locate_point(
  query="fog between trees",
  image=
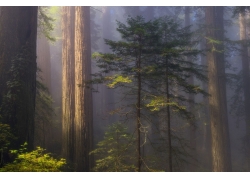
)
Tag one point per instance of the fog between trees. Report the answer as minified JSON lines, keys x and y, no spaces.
{"x":126,"y":88}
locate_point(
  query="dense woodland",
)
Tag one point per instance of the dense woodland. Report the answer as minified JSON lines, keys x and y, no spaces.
{"x":124,"y":89}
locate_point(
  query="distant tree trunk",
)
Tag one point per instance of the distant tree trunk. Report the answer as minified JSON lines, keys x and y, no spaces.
{"x":68,"y":83}
{"x":246,"y":81}
{"x":215,"y":99}
{"x":18,"y":64}
{"x":206,"y":147}
{"x":43,"y":60}
{"x":83,"y":94}
{"x":192,"y":123}
{"x":43,"y":63}
{"x":222,"y":83}
{"x":169,"y":142}
{"x":108,"y":93}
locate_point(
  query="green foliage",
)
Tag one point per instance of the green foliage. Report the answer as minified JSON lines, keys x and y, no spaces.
{"x":115,"y":152}
{"x":16,"y":86}
{"x":152,"y":65}
{"x":166,"y":54}
{"x":45,"y":21}
{"x":44,"y":112}
{"x":34,"y":161}
{"x":118,"y":79}
{"x":5,"y":136}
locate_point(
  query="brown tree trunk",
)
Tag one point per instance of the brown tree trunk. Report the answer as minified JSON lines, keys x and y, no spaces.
{"x":206,"y":146}
{"x":68,"y":83}
{"x":18,"y":52}
{"x":246,"y":81}
{"x":83,"y":94}
{"x":222,"y":83}
{"x":169,"y":142}
{"x":138,"y":110}
{"x":215,"y":99}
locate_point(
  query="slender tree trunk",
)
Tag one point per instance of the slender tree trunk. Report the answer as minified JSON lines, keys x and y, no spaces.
{"x":18,"y":52}
{"x":138,"y":110}
{"x":217,"y":137}
{"x":68,"y":83}
{"x":206,"y":147}
{"x":83,"y":94}
{"x":170,"y":166}
{"x":43,"y":60}
{"x":222,"y":83}
{"x":246,"y":82}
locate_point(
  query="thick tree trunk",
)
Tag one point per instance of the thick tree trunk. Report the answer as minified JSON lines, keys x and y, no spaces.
{"x":215,"y":99}
{"x":246,"y":81}
{"x":83,"y":94}
{"x":18,"y":54}
{"x":68,"y":83}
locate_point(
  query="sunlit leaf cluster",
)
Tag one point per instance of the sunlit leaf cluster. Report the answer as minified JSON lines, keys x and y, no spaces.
{"x":34,"y":161}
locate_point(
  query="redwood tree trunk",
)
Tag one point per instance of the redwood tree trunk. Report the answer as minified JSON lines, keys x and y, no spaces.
{"x":246,"y":81}
{"x":222,"y":83}
{"x":68,"y":83}
{"x":83,"y":94}
{"x":215,"y":98}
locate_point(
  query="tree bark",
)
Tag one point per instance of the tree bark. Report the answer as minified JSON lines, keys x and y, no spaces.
{"x":215,"y":99}
{"x":68,"y":83}
{"x":222,"y":83}
{"x":246,"y":81}
{"x":83,"y":94}
{"x":138,"y":108}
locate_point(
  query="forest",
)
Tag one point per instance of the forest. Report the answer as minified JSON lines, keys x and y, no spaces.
{"x":124,"y":89}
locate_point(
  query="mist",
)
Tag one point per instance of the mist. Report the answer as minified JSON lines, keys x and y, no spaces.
{"x":127,"y":88}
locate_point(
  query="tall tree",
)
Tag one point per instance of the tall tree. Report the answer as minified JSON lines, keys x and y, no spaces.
{"x":222,"y":83}
{"x":152,"y":51}
{"x":83,"y":94}
{"x":68,"y":83}
{"x":18,"y":70}
{"x":216,"y":101}
{"x":246,"y":77}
